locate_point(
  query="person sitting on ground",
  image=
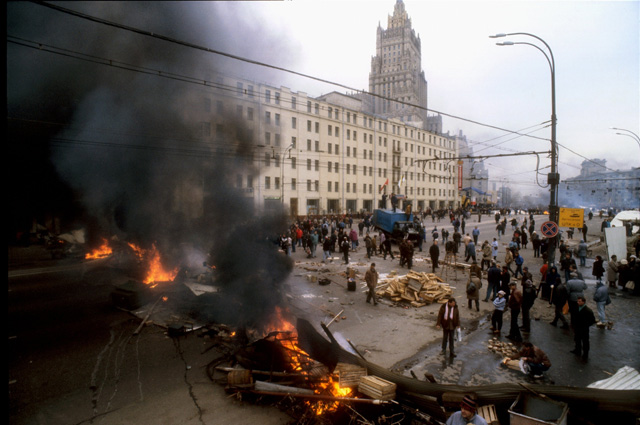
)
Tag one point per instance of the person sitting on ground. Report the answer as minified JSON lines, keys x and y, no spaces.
{"x":534,"y":357}
{"x":467,"y":414}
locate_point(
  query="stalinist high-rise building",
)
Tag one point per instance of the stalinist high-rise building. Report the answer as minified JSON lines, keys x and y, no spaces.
{"x":397,"y":79}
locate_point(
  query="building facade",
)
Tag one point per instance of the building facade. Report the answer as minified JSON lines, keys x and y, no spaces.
{"x":597,"y":187}
{"x":337,"y":153}
{"x":323,"y":155}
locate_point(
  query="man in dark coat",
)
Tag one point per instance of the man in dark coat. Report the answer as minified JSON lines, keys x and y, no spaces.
{"x":528,"y":298}
{"x":434,"y":253}
{"x":493,"y":282}
{"x":583,"y":320}
{"x":449,"y":321}
{"x":560,"y":298}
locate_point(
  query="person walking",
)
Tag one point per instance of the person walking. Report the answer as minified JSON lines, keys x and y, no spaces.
{"x":508,"y":260}
{"x":535,"y":241}
{"x":515,"y":303}
{"x":519,"y":261}
{"x":493,"y":282}
{"x":344,"y":247}
{"x":371,"y":277}
{"x":434,"y":253}
{"x":601,"y":297}
{"x":560,"y":298}
{"x":449,"y":321}
{"x":583,"y":320}
{"x":470,"y":251}
{"x":499,"y":305}
{"x":612,"y":271}
{"x":473,"y":291}
{"x":598,"y":268}
{"x":387,"y":247}
{"x":475,"y":233}
{"x":368,"y":243}
{"x":581,"y":252}
{"x":494,"y":249}
{"x":528,"y":298}
{"x":486,"y":255}
{"x":576,"y":288}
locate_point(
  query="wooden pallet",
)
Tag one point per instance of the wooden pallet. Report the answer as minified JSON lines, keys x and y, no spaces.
{"x":377,"y":388}
{"x":349,"y":375}
{"x":488,"y":412}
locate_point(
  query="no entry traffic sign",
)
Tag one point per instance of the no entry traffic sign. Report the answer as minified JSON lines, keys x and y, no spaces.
{"x":549,"y":229}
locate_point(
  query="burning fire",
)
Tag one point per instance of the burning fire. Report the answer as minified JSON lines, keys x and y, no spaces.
{"x":156,"y":272}
{"x":299,"y":359}
{"x":103,"y":251}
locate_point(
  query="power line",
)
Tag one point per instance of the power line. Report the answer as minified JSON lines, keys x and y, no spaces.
{"x":254,"y":62}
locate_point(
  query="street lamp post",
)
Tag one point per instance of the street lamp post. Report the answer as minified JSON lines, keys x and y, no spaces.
{"x":288,"y":148}
{"x":553,"y":177}
{"x":631,"y":134}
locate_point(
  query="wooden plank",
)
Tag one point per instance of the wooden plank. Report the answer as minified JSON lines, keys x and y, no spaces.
{"x":488,"y":412}
{"x":377,"y":382}
{"x":349,"y":375}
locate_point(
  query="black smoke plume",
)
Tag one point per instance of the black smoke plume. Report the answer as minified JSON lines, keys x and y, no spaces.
{"x":121,"y":152}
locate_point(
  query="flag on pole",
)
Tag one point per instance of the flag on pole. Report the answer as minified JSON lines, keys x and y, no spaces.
{"x":385,"y":183}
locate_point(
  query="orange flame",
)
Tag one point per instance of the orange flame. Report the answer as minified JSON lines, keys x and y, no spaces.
{"x":157,"y":272}
{"x":298,"y":357}
{"x":137,"y":250}
{"x":104,"y":251}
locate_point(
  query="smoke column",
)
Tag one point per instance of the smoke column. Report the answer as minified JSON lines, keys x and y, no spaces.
{"x":119,"y":152}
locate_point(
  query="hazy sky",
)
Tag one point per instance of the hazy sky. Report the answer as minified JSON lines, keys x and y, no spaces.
{"x":595,"y":44}
{"x":596,"y":50}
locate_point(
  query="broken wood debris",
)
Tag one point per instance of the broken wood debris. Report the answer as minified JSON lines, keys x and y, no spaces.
{"x":377,"y":388}
{"x":418,"y":289}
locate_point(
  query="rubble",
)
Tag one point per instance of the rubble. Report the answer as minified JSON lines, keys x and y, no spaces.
{"x":418,"y":289}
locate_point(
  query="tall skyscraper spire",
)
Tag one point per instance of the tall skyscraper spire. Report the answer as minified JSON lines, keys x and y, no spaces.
{"x":396,"y":71}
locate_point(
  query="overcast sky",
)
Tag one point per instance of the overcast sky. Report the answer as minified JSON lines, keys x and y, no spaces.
{"x":595,"y":45}
{"x":596,"y":50}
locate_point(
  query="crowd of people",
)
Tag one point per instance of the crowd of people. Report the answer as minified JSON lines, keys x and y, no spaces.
{"x":510,"y":286}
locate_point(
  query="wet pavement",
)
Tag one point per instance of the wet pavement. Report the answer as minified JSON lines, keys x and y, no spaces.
{"x":475,"y":364}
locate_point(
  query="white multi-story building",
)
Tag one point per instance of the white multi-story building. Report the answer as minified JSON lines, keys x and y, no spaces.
{"x":337,"y":153}
{"x":323,"y":155}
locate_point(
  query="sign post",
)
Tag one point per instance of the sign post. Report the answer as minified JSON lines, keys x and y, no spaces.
{"x":571,"y":217}
{"x":549,"y":229}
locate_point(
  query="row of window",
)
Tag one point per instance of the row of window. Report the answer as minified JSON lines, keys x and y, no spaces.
{"x":314,"y":186}
{"x":331,"y":130}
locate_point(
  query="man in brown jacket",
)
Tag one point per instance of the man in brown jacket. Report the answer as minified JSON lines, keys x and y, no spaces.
{"x":371,"y":277}
{"x":536,"y":359}
{"x":515,"y":304}
{"x":449,"y":321}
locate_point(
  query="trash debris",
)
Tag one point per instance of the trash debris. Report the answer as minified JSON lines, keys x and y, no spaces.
{"x":418,"y":289}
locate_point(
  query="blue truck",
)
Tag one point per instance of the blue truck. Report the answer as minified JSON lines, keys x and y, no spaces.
{"x":396,"y":225}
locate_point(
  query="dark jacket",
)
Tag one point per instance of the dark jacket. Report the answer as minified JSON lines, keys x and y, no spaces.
{"x":445,"y":322}
{"x":528,"y":296}
{"x":560,"y":295}
{"x":583,"y":318}
{"x":598,"y":268}
{"x":434,"y":251}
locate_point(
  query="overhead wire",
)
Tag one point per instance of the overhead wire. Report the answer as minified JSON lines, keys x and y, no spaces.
{"x":251,"y":61}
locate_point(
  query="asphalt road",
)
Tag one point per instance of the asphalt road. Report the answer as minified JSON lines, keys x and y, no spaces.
{"x":74,"y":359}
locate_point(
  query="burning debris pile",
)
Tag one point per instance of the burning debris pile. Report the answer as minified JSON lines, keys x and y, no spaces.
{"x":278,"y":369}
{"x":418,"y":289}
